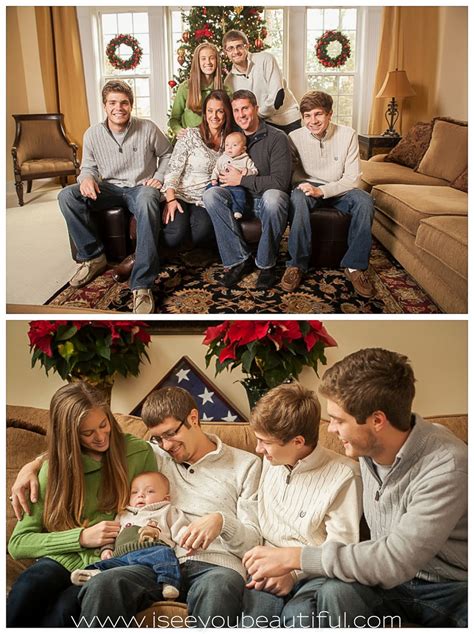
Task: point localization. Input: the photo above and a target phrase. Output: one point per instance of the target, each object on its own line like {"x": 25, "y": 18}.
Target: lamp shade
{"x": 396, "y": 84}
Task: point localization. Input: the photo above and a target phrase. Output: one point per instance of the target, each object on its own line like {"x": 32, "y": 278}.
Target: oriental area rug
{"x": 189, "y": 283}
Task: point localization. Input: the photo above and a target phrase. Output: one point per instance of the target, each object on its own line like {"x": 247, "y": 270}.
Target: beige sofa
{"x": 421, "y": 214}
{"x": 26, "y": 430}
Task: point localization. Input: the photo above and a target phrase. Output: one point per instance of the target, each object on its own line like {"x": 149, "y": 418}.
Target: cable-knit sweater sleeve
{"x": 241, "y": 531}
{"x": 162, "y": 148}
{"x": 89, "y": 166}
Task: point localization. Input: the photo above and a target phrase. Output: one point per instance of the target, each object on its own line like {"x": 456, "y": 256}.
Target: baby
{"x": 150, "y": 528}
{"x": 235, "y": 154}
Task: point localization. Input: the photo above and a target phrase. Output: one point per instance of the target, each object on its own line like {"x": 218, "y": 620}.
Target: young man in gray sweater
{"x": 268, "y": 197}
{"x": 124, "y": 160}
{"x": 414, "y": 474}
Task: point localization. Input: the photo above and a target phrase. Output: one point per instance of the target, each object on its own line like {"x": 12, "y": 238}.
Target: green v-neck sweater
{"x": 29, "y": 538}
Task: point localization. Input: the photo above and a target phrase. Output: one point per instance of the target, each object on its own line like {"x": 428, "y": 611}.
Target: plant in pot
{"x": 269, "y": 352}
{"x": 91, "y": 351}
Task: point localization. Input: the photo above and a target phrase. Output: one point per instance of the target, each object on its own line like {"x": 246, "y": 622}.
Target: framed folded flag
{"x": 212, "y": 403}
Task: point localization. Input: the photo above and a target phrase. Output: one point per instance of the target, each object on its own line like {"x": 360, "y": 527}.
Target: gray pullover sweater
{"x": 417, "y": 517}
{"x": 144, "y": 153}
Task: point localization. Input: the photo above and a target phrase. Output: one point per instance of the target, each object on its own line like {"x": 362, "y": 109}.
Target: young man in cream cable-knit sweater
{"x": 124, "y": 161}
{"x": 307, "y": 495}
{"x": 414, "y": 474}
{"x": 326, "y": 158}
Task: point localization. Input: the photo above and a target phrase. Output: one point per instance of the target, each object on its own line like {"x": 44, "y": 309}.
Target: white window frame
{"x": 88, "y": 18}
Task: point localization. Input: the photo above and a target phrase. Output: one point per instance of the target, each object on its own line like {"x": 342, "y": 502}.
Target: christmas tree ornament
{"x": 185, "y": 36}
{"x": 238, "y": 10}
{"x": 172, "y": 83}
{"x": 263, "y": 33}
{"x": 258, "y": 43}
{"x": 181, "y": 51}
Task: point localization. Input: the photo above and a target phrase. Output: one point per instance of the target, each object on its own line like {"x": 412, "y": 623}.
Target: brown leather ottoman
{"x": 113, "y": 226}
{"x": 329, "y": 236}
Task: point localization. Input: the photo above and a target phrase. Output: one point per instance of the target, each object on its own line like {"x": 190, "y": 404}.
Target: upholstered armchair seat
{"x": 42, "y": 150}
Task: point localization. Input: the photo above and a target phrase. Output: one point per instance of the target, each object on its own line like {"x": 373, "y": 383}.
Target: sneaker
{"x": 361, "y": 282}
{"x": 88, "y": 270}
{"x": 80, "y": 577}
{"x": 143, "y": 301}
{"x": 291, "y": 279}
{"x": 266, "y": 279}
{"x": 170, "y": 592}
{"x": 236, "y": 273}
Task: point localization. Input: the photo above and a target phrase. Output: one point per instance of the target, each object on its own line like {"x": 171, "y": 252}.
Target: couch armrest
{"x": 378, "y": 158}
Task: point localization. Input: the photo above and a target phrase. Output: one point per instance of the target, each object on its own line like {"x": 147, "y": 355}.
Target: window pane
{"x": 326, "y": 83}
{"x": 315, "y": 19}
{"x": 331, "y": 19}
{"x": 142, "y": 107}
{"x": 125, "y": 24}
{"x": 275, "y": 20}
{"x": 346, "y": 85}
{"x": 142, "y": 87}
{"x": 140, "y": 23}
{"x": 109, "y": 25}
{"x": 348, "y": 19}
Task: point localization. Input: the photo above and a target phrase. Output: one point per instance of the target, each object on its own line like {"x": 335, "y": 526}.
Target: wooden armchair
{"x": 42, "y": 150}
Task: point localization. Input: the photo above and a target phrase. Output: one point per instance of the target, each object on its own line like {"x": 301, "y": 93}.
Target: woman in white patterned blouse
{"x": 189, "y": 172}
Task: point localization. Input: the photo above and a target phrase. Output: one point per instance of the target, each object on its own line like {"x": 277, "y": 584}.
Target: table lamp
{"x": 395, "y": 86}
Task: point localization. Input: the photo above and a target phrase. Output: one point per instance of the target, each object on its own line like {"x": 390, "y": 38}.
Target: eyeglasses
{"x": 169, "y": 435}
{"x": 237, "y": 47}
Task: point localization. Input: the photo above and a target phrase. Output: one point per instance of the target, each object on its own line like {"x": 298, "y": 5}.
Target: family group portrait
{"x": 235, "y": 331}
{"x": 334, "y": 496}
{"x": 237, "y": 159}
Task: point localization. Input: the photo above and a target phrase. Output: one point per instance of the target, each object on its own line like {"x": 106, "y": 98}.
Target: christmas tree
{"x": 208, "y": 24}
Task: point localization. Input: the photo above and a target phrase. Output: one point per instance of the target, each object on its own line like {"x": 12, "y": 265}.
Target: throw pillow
{"x": 460, "y": 182}
{"x": 446, "y": 156}
{"x": 411, "y": 148}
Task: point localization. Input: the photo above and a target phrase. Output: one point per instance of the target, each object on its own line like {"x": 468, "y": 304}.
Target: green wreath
{"x": 321, "y": 48}
{"x": 124, "y": 64}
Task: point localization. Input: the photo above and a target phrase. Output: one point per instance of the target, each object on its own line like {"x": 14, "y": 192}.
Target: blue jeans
{"x": 263, "y": 609}
{"x": 417, "y": 601}
{"x": 43, "y": 596}
{"x": 161, "y": 559}
{"x": 271, "y": 209}
{"x": 213, "y": 593}
{"x": 194, "y": 224}
{"x": 357, "y": 203}
{"x": 239, "y": 197}
{"x": 143, "y": 202}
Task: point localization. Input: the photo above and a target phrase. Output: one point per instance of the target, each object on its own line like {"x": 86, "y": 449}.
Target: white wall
{"x": 436, "y": 348}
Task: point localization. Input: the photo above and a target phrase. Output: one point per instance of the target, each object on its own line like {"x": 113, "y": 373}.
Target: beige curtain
{"x": 410, "y": 40}
{"x": 62, "y": 68}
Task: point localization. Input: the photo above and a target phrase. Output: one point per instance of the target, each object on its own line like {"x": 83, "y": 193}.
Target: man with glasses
{"x": 260, "y": 73}
{"x": 216, "y": 487}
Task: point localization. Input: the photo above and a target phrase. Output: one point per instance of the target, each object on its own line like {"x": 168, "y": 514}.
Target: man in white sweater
{"x": 414, "y": 474}
{"x": 327, "y": 168}
{"x": 215, "y": 485}
{"x": 260, "y": 73}
{"x": 124, "y": 161}
{"x": 308, "y": 495}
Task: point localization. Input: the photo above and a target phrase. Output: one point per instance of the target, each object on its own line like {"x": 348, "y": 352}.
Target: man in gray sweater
{"x": 414, "y": 474}
{"x": 124, "y": 160}
{"x": 268, "y": 197}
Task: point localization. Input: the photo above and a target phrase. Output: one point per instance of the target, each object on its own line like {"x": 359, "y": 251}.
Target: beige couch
{"x": 421, "y": 215}
{"x": 26, "y": 429}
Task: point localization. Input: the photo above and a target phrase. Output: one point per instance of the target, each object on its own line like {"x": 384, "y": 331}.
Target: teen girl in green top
{"x": 83, "y": 483}
{"x": 204, "y": 77}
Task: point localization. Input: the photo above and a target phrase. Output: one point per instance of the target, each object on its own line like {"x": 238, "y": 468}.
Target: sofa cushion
{"x": 445, "y": 238}
{"x": 446, "y": 156}
{"x": 381, "y": 172}
{"x": 407, "y": 205}
{"x": 410, "y": 149}
{"x": 461, "y": 182}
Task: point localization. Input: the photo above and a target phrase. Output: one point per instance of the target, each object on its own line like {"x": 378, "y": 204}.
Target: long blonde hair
{"x": 194, "y": 101}
{"x": 65, "y": 489}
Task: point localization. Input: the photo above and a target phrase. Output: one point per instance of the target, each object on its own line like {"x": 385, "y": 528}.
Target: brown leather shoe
{"x": 291, "y": 279}
{"x": 123, "y": 270}
{"x": 361, "y": 282}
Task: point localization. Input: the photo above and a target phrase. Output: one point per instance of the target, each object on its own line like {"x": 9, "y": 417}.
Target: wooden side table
{"x": 370, "y": 144}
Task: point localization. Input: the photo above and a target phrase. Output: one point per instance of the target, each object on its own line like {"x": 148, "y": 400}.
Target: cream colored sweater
{"x": 225, "y": 481}
{"x": 332, "y": 162}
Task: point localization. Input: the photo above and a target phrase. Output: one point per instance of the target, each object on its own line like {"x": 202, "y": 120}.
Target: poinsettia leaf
{"x": 66, "y": 332}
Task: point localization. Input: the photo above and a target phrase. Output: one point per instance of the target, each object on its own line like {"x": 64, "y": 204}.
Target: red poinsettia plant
{"x": 95, "y": 350}
{"x": 269, "y": 352}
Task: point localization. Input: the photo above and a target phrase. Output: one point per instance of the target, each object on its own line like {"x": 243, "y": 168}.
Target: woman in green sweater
{"x": 83, "y": 483}
{"x": 204, "y": 77}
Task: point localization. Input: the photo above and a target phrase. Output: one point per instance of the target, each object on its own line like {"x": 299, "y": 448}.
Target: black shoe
{"x": 266, "y": 279}
{"x": 236, "y": 273}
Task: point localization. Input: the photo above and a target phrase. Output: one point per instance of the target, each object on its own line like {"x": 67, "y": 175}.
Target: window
{"x": 338, "y": 82}
{"x": 136, "y": 24}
